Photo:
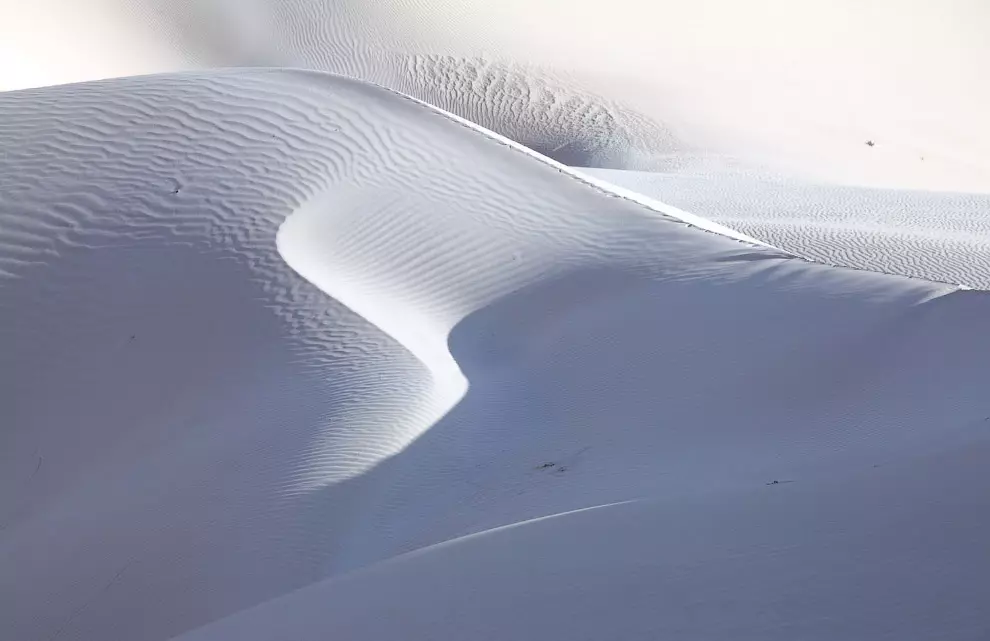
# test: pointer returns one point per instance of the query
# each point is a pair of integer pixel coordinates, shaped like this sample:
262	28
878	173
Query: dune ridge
274	329
935	236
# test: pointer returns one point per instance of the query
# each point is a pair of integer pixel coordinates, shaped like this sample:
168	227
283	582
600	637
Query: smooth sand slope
939	236
798	85
267	333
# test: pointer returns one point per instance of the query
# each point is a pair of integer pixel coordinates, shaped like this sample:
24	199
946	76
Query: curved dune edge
477	339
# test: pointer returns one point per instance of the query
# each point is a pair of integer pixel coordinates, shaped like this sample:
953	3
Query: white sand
935	235
801	86
271	331
291	356
796	89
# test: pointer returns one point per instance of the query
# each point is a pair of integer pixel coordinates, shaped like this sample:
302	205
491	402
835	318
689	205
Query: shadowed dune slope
267	330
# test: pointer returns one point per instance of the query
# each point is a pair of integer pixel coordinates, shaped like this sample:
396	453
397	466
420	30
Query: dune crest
266	330
936	236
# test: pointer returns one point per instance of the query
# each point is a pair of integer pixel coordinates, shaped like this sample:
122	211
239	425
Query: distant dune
936	235
801	86
269	330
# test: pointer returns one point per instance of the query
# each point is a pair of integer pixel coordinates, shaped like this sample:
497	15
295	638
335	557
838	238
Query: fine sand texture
940	236
291	356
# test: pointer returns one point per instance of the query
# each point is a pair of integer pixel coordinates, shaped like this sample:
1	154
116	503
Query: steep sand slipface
263	328
163	364
800	86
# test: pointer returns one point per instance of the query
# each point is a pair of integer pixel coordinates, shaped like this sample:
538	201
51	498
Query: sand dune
938	236
871	97
801	86
268	330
